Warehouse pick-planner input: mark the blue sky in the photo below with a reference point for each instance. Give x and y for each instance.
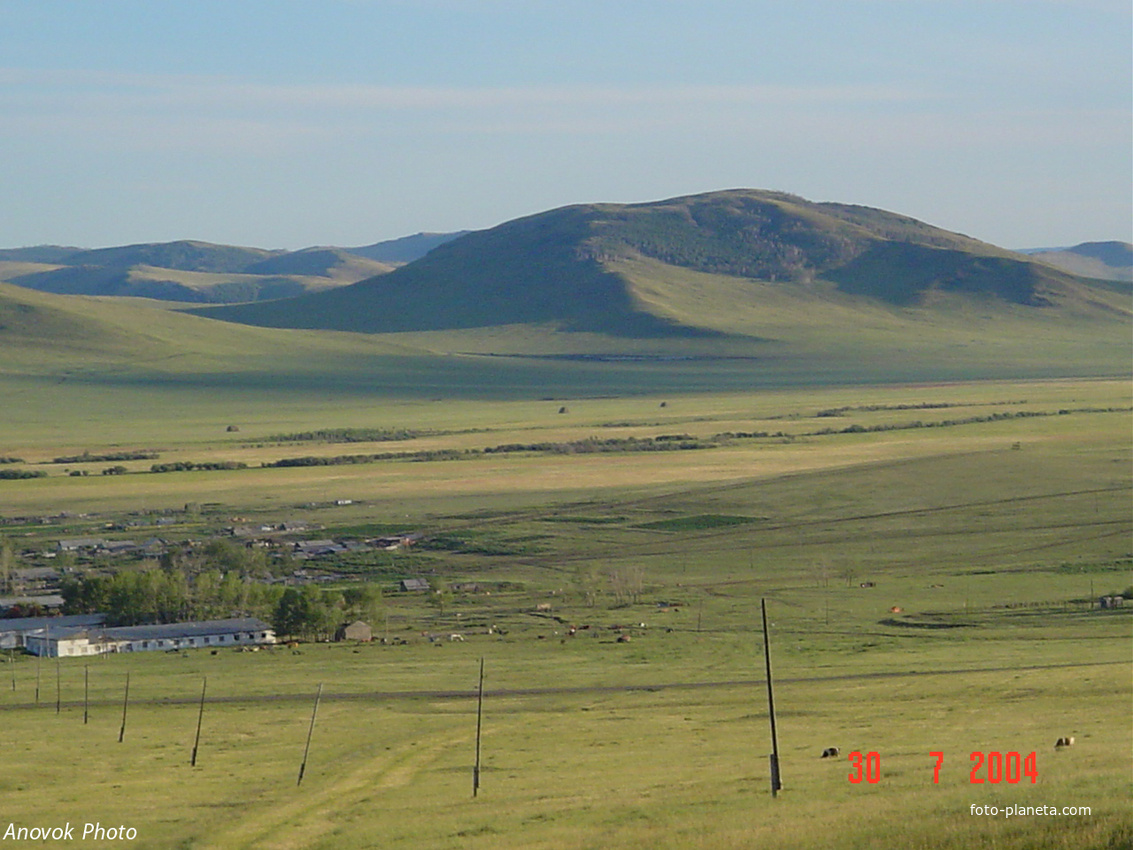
(286, 124)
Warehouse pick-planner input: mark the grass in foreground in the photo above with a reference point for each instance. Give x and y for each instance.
(992, 554)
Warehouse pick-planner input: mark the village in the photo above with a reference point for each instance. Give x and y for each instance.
(43, 611)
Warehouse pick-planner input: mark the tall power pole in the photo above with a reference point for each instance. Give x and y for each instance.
(776, 784)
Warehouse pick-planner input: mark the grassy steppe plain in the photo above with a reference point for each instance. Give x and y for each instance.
(990, 536)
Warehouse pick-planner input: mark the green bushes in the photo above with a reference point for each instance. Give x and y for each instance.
(87, 457)
(352, 435)
(591, 445)
(190, 466)
(14, 474)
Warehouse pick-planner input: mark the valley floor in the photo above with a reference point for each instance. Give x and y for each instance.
(932, 559)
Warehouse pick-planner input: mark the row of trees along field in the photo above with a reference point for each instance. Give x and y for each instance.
(218, 582)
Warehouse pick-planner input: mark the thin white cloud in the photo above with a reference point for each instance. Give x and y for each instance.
(138, 91)
(417, 97)
(107, 110)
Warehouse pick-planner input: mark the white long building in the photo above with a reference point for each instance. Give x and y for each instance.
(70, 642)
(13, 632)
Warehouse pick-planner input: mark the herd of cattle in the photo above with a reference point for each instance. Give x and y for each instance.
(833, 752)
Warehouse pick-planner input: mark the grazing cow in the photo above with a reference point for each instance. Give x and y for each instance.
(1064, 742)
(830, 752)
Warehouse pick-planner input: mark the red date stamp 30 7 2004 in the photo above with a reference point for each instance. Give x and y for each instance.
(994, 767)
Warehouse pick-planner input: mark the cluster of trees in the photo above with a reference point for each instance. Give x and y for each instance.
(590, 445)
(309, 612)
(351, 435)
(7, 565)
(219, 580)
(190, 466)
(155, 594)
(626, 584)
(342, 460)
(87, 457)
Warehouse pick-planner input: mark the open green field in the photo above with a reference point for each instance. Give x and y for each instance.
(931, 556)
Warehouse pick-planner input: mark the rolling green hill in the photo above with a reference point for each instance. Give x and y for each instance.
(729, 291)
(195, 272)
(167, 284)
(187, 255)
(1105, 260)
(567, 267)
(38, 254)
(332, 263)
(46, 334)
(406, 249)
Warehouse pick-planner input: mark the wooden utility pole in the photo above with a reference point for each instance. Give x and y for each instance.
(39, 658)
(125, 705)
(776, 784)
(479, 719)
(200, 717)
(310, 731)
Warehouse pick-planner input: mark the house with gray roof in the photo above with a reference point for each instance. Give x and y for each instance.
(76, 544)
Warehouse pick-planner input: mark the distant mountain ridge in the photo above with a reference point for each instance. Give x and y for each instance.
(735, 289)
(1102, 260)
(407, 248)
(183, 255)
(38, 253)
(203, 272)
(587, 268)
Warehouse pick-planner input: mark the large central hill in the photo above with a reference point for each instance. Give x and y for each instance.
(618, 270)
(728, 290)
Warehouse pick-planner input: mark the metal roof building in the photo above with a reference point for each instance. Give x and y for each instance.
(13, 631)
(239, 631)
